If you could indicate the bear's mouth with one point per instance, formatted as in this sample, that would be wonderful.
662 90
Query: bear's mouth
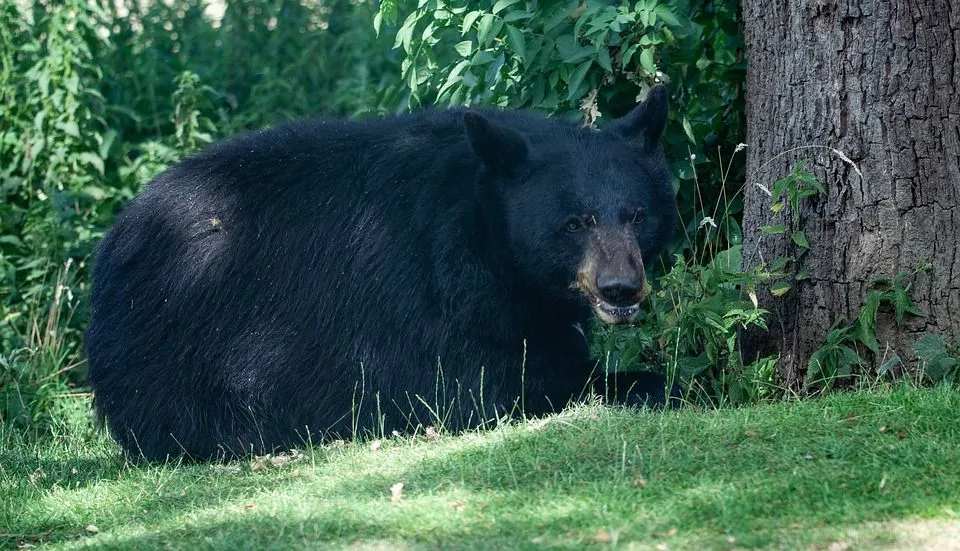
615 315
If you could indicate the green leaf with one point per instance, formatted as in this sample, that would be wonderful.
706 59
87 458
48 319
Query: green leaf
405 34
866 329
937 362
688 130
890 363
780 288
665 14
603 59
691 366
730 260
93 160
11 240
107 142
492 76
412 80
502 5
903 304
454 76
468 21
646 61
485 30
517 16
517 42
70 128
773 230
469 79
464 48
571 51
481 58
428 32
627 55
94 193
388 10
800 238
576 79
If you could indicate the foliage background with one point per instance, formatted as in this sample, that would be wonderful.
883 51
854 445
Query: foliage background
98 96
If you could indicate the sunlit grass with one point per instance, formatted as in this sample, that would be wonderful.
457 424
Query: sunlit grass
784 475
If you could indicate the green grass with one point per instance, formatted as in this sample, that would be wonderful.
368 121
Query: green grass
858 468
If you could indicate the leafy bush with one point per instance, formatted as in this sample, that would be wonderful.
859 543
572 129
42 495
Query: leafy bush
596 58
98 97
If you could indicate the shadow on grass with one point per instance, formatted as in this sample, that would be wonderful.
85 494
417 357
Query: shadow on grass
560 481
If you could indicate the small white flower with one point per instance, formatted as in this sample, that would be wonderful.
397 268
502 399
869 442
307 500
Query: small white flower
707 221
740 147
693 156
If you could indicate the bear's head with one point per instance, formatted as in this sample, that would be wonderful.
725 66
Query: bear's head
581 210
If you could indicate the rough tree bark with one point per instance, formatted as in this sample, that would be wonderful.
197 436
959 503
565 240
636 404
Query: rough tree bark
878 80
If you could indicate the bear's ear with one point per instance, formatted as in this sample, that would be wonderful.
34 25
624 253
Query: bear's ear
500 148
647 120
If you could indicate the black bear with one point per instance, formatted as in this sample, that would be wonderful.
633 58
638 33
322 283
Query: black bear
331 277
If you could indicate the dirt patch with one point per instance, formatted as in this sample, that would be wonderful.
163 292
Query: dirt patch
939 535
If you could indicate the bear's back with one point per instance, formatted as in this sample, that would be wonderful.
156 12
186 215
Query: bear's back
240 271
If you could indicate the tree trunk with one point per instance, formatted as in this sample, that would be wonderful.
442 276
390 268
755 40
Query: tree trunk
879 81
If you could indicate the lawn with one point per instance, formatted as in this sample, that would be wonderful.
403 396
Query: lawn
854 470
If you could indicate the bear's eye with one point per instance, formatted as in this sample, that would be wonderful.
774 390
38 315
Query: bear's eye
574 224
638 216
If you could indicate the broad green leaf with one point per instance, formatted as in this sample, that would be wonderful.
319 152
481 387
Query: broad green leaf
94 193
730 260
481 58
93 160
517 16
576 79
890 363
800 238
454 76
464 48
936 360
11 240
665 14
517 42
646 61
627 55
469 79
903 304
688 130
502 5
405 34
603 59
485 30
468 21
780 288
427 32
70 128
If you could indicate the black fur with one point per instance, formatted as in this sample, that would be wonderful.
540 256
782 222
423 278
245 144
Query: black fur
324 277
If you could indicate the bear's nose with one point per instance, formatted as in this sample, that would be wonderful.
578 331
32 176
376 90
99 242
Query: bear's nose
619 290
